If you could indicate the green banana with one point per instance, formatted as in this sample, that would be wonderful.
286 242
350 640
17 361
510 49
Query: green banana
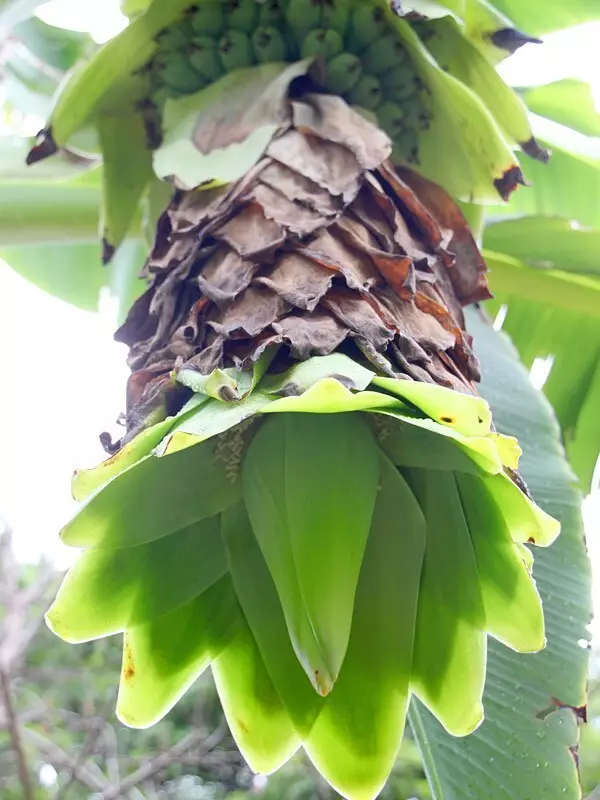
385 54
315 573
105 518
208 18
322 42
343 73
272 13
336 15
462 59
254 711
269 45
398 80
366 94
241 15
175 38
391 118
204 58
492 32
367 25
513 608
372 691
126 174
108 591
177 74
262 608
406 148
162 658
303 15
450 646
235 50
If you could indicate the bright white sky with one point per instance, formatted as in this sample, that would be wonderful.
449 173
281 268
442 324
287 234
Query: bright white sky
64 377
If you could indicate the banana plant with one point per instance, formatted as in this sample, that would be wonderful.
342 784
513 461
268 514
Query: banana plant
311 496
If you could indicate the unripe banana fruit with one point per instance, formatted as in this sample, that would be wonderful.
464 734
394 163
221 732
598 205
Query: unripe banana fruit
177 74
177 38
367 93
272 13
303 15
343 73
268 44
322 42
241 15
400 81
391 118
204 58
208 19
235 50
384 54
367 25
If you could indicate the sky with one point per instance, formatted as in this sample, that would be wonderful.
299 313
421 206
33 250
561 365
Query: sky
64 377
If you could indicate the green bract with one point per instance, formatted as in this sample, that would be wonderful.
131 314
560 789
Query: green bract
329 552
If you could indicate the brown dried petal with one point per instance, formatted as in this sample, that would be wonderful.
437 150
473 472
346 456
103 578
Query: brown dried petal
250 233
316 334
298 280
327 249
299 188
327 164
468 272
285 212
225 275
331 119
256 308
358 315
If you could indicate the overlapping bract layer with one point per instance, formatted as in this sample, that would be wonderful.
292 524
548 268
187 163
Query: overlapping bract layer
321 247
330 544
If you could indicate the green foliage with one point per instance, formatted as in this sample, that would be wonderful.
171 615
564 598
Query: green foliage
522 748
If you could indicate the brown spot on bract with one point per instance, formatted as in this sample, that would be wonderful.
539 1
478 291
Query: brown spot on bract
128 663
448 420
242 725
531 540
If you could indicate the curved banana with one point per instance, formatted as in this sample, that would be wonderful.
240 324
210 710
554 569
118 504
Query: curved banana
457 53
162 658
450 645
513 608
372 691
235 50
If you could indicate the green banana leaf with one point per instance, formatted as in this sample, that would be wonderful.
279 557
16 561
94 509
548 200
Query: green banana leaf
526 747
569 102
537 18
74 272
553 313
57 47
547 242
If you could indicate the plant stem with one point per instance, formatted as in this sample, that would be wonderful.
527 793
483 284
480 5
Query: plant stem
15 736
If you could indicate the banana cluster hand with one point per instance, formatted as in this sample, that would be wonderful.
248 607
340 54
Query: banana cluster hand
329 553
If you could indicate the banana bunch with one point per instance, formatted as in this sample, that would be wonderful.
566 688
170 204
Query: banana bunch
431 85
356 52
328 541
